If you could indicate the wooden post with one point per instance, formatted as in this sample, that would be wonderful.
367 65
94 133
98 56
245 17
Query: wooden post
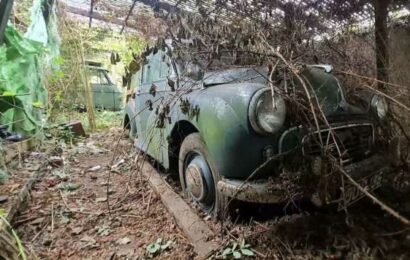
5 9
382 41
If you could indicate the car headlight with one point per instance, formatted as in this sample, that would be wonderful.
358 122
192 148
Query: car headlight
264 116
379 106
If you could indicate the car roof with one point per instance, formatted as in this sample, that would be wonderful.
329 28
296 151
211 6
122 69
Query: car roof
95 67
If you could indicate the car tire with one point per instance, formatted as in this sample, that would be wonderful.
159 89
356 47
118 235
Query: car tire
194 160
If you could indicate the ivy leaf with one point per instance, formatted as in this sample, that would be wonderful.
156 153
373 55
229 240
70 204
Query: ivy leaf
247 252
9 94
3 213
167 245
237 255
38 104
153 248
227 251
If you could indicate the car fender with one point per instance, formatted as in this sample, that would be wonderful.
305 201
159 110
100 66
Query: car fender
220 113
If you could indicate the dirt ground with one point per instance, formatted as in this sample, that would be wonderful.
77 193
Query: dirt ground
70 217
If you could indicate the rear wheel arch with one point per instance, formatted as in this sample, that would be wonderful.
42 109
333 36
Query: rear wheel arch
126 122
179 132
129 125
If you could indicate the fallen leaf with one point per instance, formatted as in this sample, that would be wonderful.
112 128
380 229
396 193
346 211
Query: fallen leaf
37 221
128 251
103 231
102 199
14 186
123 241
95 168
69 186
76 230
88 240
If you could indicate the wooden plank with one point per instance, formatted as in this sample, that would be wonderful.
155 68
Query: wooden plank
7 241
195 228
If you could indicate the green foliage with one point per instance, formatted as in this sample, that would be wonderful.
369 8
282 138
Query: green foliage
9 94
3 177
61 133
237 251
156 248
69 186
123 45
22 253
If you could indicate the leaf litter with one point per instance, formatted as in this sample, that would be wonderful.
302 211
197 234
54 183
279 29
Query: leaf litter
72 202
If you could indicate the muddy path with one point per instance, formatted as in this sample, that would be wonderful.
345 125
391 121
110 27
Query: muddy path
70 217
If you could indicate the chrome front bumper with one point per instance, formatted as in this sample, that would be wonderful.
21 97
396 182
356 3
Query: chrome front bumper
252 191
262 191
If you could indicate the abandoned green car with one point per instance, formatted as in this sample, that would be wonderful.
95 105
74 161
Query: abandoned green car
105 92
227 138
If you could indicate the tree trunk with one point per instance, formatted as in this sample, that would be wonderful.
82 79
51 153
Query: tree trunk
382 41
89 103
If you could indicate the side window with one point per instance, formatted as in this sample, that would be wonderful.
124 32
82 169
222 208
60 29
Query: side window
94 76
147 74
155 66
136 79
103 78
158 68
165 70
97 77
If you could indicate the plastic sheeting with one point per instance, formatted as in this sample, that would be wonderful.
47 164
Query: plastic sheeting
22 92
23 64
37 31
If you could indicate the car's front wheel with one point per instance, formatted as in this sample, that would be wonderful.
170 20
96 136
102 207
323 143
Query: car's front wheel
199 176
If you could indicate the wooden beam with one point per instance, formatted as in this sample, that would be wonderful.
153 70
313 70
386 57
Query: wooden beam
94 15
194 227
91 12
157 5
128 16
5 9
382 41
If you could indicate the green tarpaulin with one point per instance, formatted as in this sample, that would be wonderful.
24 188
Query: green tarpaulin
22 92
23 63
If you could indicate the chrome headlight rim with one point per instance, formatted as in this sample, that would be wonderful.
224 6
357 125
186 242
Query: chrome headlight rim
253 112
379 106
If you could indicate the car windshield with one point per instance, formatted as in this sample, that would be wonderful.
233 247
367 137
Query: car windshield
325 86
204 62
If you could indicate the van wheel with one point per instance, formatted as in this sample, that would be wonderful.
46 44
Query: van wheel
199 176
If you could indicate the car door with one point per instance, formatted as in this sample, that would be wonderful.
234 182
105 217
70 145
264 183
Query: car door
152 97
112 95
96 86
101 89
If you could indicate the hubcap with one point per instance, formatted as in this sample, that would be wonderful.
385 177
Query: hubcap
194 182
199 182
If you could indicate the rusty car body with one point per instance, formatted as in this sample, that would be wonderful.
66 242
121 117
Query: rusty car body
229 138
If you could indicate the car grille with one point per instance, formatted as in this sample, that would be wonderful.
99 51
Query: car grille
355 142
